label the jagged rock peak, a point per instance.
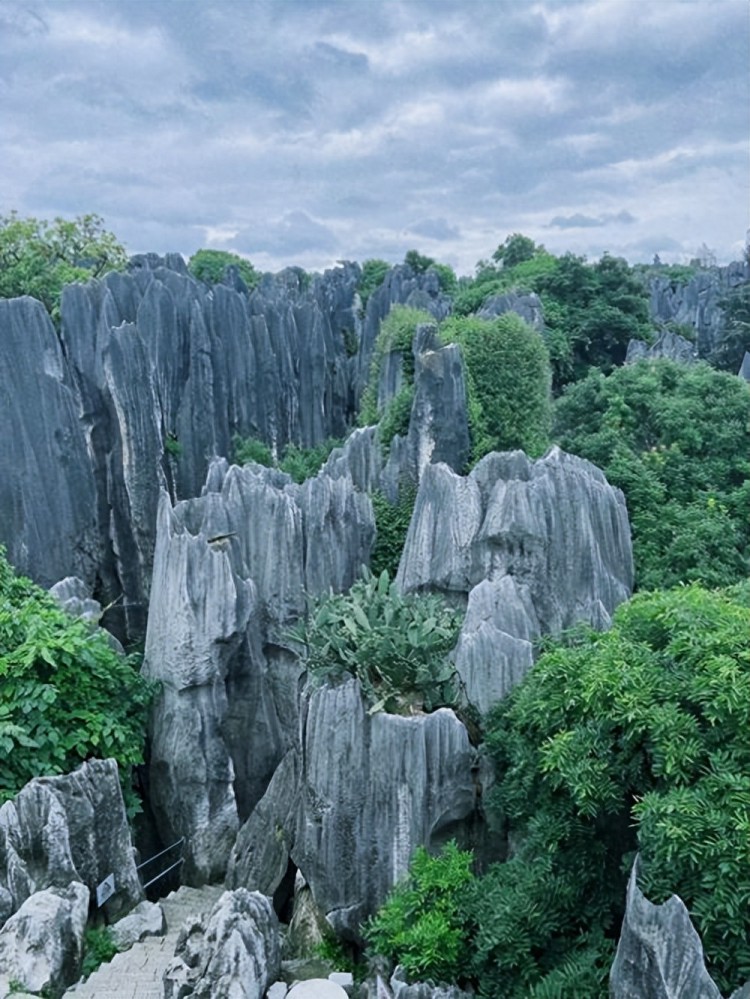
(528, 547)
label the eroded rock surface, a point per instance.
(529, 547)
(234, 953)
(660, 955)
(353, 802)
(60, 830)
(41, 944)
(231, 575)
(668, 344)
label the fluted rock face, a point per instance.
(660, 954)
(58, 830)
(669, 344)
(41, 946)
(231, 574)
(529, 547)
(439, 424)
(352, 803)
(233, 953)
(528, 307)
(696, 303)
(47, 508)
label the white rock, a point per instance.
(316, 988)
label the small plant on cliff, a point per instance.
(98, 948)
(423, 924)
(65, 694)
(395, 644)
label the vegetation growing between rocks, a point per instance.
(98, 949)
(210, 266)
(65, 694)
(396, 645)
(299, 462)
(39, 258)
(391, 526)
(424, 924)
(676, 440)
(507, 368)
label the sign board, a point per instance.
(105, 890)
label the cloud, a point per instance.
(580, 221)
(438, 229)
(305, 136)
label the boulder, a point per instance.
(528, 547)
(233, 953)
(59, 830)
(352, 803)
(659, 955)
(317, 988)
(528, 307)
(146, 920)
(41, 944)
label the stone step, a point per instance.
(137, 973)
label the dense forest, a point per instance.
(624, 742)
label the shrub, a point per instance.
(249, 449)
(98, 949)
(391, 526)
(508, 380)
(395, 645)
(422, 925)
(210, 266)
(373, 275)
(302, 463)
(65, 693)
(396, 334)
(632, 739)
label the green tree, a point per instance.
(418, 262)
(676, 440)
(210, 266)
(515, 249)
(508, 377)
(65, 693)
(734, 336)
(632, 739)
(39, 257)
(373, 275)
(423, 925)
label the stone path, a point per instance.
(137, 973)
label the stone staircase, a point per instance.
(137, 973)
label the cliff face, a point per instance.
(150, 377)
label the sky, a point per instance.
(302, 132)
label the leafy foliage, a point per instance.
(373, 275)
(396, 645)
(299, 462)
(98, 948)
(396, 334)
(516, 249)
(631, 739)
(734, 337)
(391, 526)
(508, 382)
(396, 415)
(210, 266)
(65, 694)
(423, 924)
(676, 440)
(39, 258)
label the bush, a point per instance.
(676, 440)
(395, 645)
(423, 925)
(299, 462)
(396, 334)
(373, 275)
(633, 739)
(508, 373)
(391, 526)
(210, 266)
(65, 694)
(250, 449)
(98, 949)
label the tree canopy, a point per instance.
(676, 439)
(39, 257)
(211, 265)
(65, 693)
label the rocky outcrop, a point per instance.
(401, 989)
(668, 344)
(234, 953)
(659, 955)
(232, 573)
(41, 945)
(439, 424)
(744, 371)
(528, 307)
(351, 803)
(696, 302)
(48, 517)
(60, 830)
(146, 920)
(528, 547)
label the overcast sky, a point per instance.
(302, 131)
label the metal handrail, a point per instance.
(179, 842)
